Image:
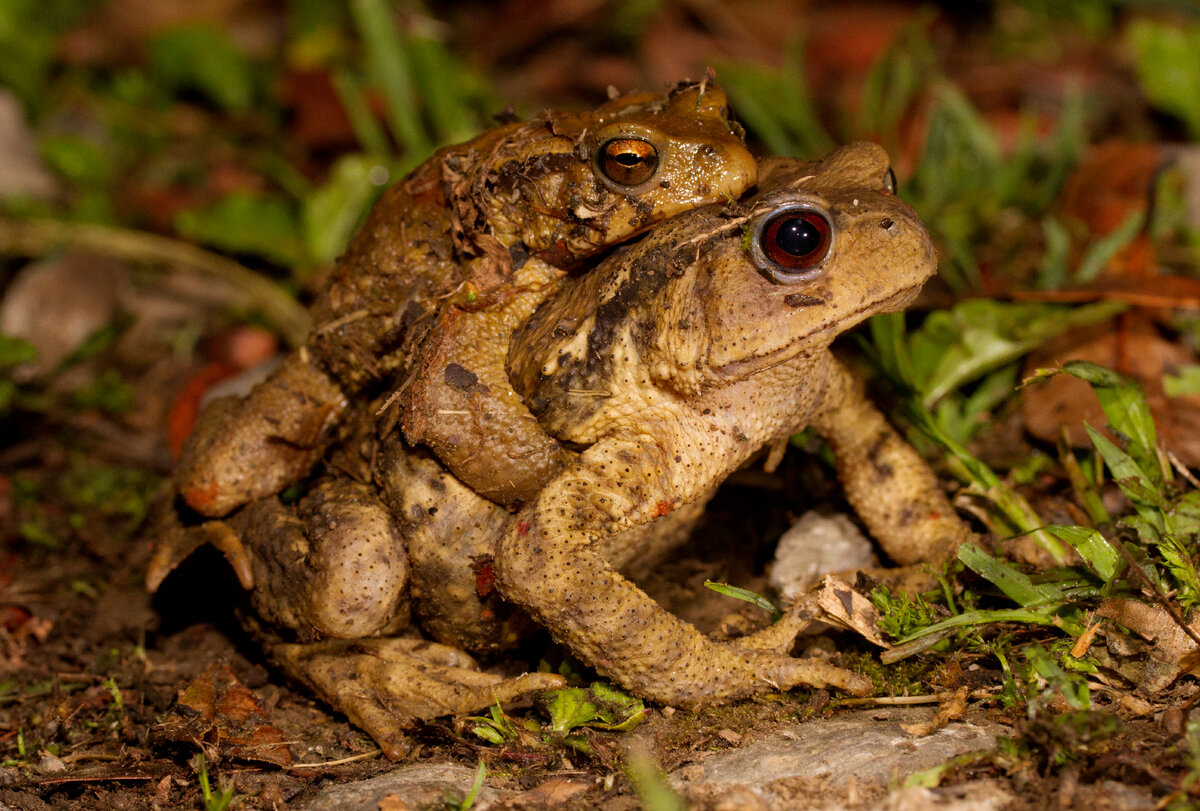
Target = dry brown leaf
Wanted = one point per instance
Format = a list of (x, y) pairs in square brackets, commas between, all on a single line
[(951, 709), (553, 792), (1114, 180), (219, 709), (1171, 652), (1132, 346), (847, 608), (391, 802)]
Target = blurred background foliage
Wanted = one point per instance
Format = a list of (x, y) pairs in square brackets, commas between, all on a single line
[(265, 130)]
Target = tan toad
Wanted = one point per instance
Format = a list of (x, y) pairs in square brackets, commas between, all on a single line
[(443, 245), (667, 366)]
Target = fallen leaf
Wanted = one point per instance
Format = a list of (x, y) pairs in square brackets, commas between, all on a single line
[(553, 792), (951, 709), (22, 173), (391, 802), (318, 119), (82, 291), (237, 350), (845, 607), (1133, 346), (1160, 291), (1114, 180), (1171, 651), (220, 710)]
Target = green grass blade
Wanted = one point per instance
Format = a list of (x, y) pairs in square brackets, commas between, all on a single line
[(1016, 585), (370, 135), (1094, 548), (388, 62)]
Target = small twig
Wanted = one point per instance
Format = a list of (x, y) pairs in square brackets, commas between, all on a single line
[(77, 757), (902, 701), (1182, 469), (36, 237), (342, 761)]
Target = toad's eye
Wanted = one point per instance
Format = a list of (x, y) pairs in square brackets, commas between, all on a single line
[(628, 161), (796, 240)]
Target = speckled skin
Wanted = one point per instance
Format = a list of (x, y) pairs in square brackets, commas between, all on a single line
[(453, 233), (670, 364), (677, 363)]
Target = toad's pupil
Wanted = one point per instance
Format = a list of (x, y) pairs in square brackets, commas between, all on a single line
[(630, 158), (798, 236)]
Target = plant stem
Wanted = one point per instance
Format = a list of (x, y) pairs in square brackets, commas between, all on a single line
[(37, 237)]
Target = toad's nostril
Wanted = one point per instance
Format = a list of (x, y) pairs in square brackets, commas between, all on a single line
[(887, 224)]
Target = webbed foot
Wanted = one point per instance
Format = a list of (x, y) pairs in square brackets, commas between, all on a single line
[(384, 685)]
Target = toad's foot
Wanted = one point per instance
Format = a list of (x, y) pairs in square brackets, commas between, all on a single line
[(385, 685), (174, 543)]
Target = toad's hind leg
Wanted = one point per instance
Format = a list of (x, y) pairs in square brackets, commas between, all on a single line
[(334, 565), (335, 569), (450, 533)]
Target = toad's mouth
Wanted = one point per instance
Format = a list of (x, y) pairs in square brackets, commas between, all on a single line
[(819, 338)]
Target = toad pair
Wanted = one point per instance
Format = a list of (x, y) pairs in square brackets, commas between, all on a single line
[(506, 420)]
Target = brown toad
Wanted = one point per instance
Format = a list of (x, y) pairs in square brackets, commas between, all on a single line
[(443, 244), (669, 365)]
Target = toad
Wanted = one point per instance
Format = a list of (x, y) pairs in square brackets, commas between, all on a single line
[(443, 245), (664, 368)]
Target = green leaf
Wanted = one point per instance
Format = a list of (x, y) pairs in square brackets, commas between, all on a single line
[(106, 392), (746, 595), (569, 708), (390, 66), (15, 351), (1101, 251), (476, 786), (1093, 547), (80, 160), (1016, 585), (654, 793), (978, 336), (776, 105), (1130, 477), (487, 733), (620, 710), (332, 212), (1124, 403), (1166, 58), (204, 59), (1073, 688), (1187, 381), (248, 224), (601, 706)]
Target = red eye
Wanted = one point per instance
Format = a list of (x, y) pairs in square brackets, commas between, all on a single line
[(797, 239)]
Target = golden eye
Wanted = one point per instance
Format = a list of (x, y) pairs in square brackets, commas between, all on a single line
[(628, 161)]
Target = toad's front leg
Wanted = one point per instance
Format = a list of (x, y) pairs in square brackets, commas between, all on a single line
[(888, 483), (552, 562), (242, 449)]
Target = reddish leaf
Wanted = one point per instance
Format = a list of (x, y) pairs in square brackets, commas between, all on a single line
[(237, 350), (1171, 292), (220, 710), (1115, 180), (1133, 346), (318, 118)]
